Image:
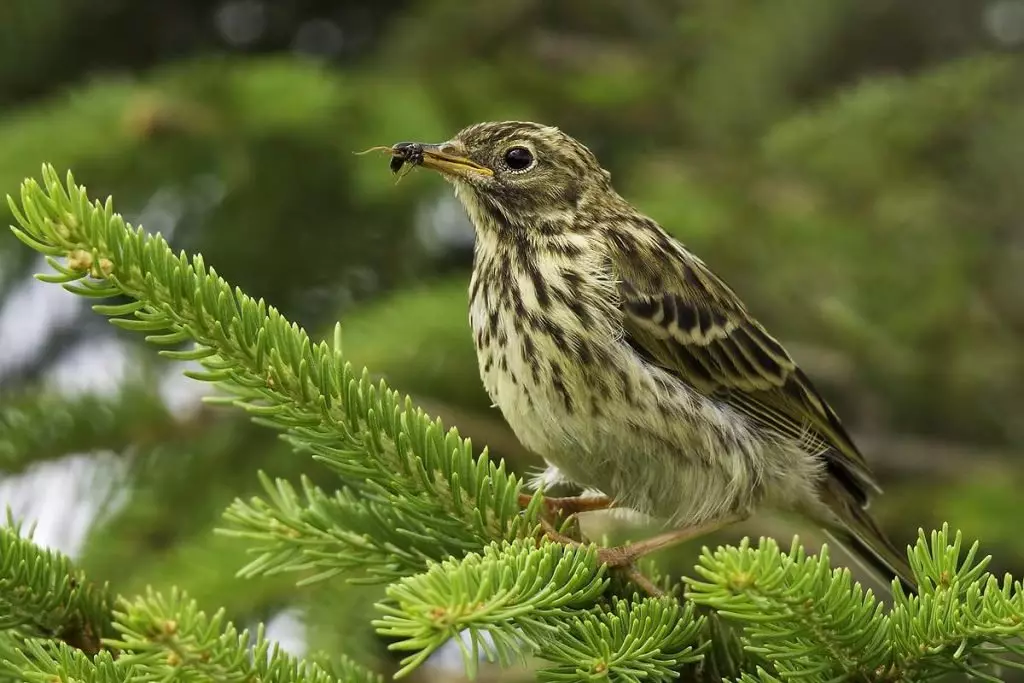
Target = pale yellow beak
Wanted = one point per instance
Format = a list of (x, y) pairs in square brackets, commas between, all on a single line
[(447, 158)]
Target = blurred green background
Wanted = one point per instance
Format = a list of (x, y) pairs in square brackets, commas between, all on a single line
[(854, 168)]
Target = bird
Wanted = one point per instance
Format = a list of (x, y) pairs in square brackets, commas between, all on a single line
[(622, 360)]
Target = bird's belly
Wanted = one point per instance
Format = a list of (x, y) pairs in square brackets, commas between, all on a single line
[(645, 440), (618, 452)]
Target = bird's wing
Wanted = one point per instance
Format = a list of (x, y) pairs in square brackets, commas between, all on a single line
[(686, 320)]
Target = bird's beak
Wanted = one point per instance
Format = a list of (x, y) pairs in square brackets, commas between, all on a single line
[(448, 158)]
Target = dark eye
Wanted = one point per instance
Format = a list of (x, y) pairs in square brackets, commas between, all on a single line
[(518, 158)]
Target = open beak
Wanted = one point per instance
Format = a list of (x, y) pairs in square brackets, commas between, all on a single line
[(447, 158)]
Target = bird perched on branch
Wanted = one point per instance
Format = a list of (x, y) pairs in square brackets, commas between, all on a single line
[(621, 359)]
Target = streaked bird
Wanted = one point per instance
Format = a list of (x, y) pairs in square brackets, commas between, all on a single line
[(621, 359)]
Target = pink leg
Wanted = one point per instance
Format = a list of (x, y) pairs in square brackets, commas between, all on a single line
[(622, 558), (626, 555), (570, 505)]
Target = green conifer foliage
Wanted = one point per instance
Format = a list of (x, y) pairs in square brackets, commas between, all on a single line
[(415, 506)]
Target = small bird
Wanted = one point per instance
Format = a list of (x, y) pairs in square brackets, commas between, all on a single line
[(621, 359)]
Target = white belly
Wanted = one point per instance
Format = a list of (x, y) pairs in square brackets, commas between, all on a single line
[(666, 451)]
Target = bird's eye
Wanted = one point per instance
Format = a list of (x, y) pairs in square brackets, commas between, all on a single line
[(518, 159)]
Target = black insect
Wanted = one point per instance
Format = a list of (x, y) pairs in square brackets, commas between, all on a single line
[(405, 153), (402, 153)]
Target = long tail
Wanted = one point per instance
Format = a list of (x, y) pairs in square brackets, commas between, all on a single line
[(859, 533)]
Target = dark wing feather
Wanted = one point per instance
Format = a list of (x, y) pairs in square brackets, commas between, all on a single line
[(693, 325)]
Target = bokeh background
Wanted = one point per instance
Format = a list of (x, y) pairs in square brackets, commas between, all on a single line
[(855, 168)]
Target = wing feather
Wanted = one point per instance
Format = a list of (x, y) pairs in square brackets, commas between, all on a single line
[(693, 325)]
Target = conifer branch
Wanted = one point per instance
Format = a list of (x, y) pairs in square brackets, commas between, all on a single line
[(384, 449), (507, 593), (39, 427), (43, 595), (330, 534), (39, 661), (645, 640), (808, 620), (793, 603), (171, 638), (518, 599), (417, 507), (11, 643), (963, 618)]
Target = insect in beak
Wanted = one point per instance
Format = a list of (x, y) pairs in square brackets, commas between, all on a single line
[(442, 158), (402, 154)]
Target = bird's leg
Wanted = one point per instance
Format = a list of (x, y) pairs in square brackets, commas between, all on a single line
[(553, 534), (626, 555), (570, 505), (641, 580), (622, 558), (631, 572)]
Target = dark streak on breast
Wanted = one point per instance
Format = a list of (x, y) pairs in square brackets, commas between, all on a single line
[(585, 355), (555, 332), (627, 388), (573, 278), (540, 287), (559, 384)]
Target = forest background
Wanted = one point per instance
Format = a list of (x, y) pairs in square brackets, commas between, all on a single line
[(853, 168)]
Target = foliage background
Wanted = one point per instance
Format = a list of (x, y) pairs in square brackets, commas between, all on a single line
[(852, 167)]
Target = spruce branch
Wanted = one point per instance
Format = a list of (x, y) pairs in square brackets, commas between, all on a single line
[(42, 594), (507, 593), (812, 623), (963, 619), (46, 426), (417, 507), (11, 643), (329, 534), (724, 657), (762, 676), (796, 610), (40, 661), (173, 640), (384, 449), (517, 599), (629, 641)]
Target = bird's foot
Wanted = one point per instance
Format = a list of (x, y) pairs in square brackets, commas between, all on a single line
[(612, 557), (626, 555), (623, 558), (569, 505)]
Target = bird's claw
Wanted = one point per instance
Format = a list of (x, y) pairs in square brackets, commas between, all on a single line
[(618, 559), (619, 556), (568, 505)]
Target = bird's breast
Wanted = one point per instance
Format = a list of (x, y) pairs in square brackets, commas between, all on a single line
[(544, 335), (579, 396)]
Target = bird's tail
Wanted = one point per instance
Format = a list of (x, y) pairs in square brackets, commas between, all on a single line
[(859, 533)]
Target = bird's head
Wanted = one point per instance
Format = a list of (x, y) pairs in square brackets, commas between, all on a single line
[(515, 175)]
